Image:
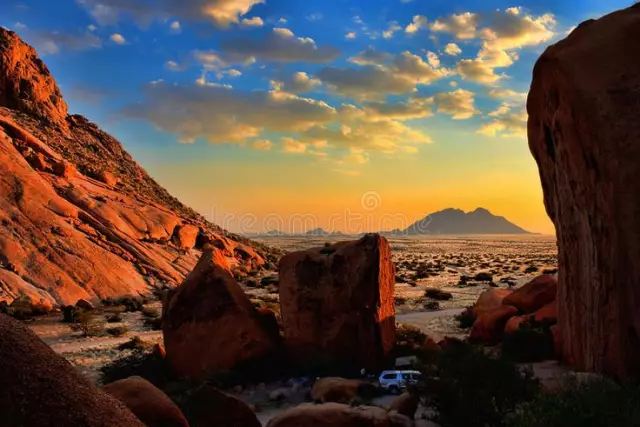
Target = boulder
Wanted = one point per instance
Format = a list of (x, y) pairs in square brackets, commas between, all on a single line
[(513, 324), (489, 300), (107, 177), (85, 305), (548, 313), (210, 324), (337, 303), (39, 388), (341, 390), (148, 403), (490, 325), (64, 169), (338, 415), (185, 236), (209, 407), (534, 295), (405, 404), (583, 132)]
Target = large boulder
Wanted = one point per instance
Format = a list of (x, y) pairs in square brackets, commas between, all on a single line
[(534, 295), (489, 300), (148, 403), (406, 404), (490, 325), (341, 390), (185, 236), (39, 388), (337, 303), (209, 407), (584, 133), (210, 324), (338, 415)]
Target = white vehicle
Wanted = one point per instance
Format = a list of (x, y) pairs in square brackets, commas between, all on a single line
[(396, 381)]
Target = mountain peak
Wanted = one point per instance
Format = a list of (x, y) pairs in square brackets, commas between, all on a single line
[(456, 221), (26, 85)]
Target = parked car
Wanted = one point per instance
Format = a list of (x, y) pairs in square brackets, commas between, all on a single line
[(396, 381)]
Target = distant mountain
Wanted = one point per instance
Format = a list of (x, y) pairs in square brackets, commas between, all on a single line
[(322, 232), (316, 232), (456, 221)]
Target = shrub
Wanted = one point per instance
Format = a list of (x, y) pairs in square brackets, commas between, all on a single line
[(149, 312), (483, 277), (550, 271), (466, 319), (135, 344), (468, 388), (408, 339), (129, 304), (532, 342), (114, 318), (117, 331), (531, 269), (70, 314), (144, 364), (432, 305), (437, 294), (595, 403), (154, 323), (87, 323)]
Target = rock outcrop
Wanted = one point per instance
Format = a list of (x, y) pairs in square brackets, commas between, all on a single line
[(341, 390), (338, 415), (210, 324), (147, 402), (337, 303), (79, 219), (209, 407), (534, 295), (584, 133), (39, 388)]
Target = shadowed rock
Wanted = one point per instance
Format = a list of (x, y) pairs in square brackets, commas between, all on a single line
[(38, 388), (584, 133)]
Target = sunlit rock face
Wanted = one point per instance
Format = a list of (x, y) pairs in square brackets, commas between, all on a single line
[(584, 133)]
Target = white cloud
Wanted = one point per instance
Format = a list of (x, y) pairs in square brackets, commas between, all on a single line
[(282, 21), (419, 22), (351, 35), (282, 45), (118, 39), (315, 17), (389, 32), (221, 13), (478, 71), (254, 22), (462, 25), (91, 27), (262, 144), (299, 82), (452, 49), (173, 66), (433, 59), (175, 27), (56, 42), (459, 104), (506, 124), (499, 93), (290, 145)]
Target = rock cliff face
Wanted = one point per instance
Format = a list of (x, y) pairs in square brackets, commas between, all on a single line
[(337, 304), (584, 133), (79, 217)]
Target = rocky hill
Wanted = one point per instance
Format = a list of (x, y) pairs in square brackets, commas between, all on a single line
[(456, 221), (79, 217)]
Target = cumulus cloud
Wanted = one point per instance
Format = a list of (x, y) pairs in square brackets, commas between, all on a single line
[(175, 27), (282, 45), (381, 74), (254, 22), (411, 109), (118, 39), (173, 66), (458, 104), (350, 35), (499, 93), (290, 145), (506, 123), (221, 13), (433, 59), (452, 49), (222, 115), (419, 22), (389, 32), (502, 32), (299, 82), (262, 144)]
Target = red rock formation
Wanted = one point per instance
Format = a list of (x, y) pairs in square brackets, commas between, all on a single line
[(210, 324), (490, 325), (26, 85), (337, 303), (210, 407), (339, 390), (39, 388), (489, 300), (65, 236), (584, 134), (338, 415), (148, 403), (534, 295)]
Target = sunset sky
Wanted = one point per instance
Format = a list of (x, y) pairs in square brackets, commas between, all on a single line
[(354, 115)]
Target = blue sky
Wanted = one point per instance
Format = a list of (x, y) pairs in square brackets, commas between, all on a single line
[(279, 107)]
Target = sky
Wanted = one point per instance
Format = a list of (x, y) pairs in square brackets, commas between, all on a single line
[(351, 115)]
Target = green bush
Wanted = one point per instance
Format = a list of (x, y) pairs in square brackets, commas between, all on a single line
[(532, 342), (469, 388), (596, 403)]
